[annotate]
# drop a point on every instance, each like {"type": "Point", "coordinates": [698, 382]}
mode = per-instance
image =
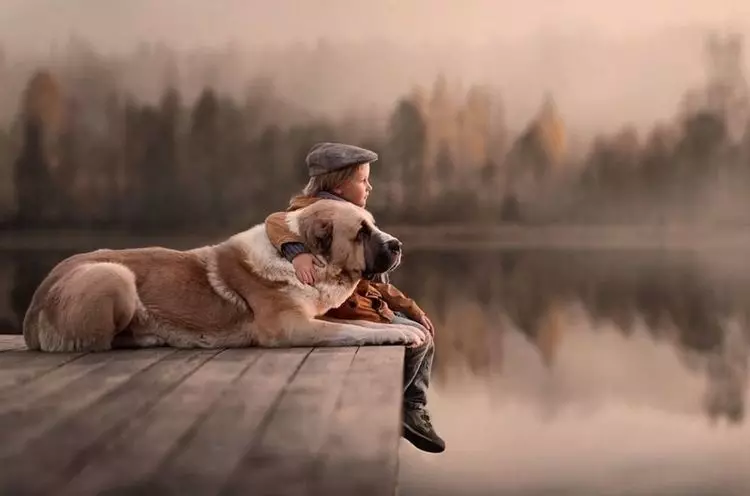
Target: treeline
{"type": "Point", "coordinates": [117, 162]}
{"type": "Point", "coordinates": [692, 168]}
{"type": "Point", "coordinates": [103, 159]}
{"type": "Point", "coordinates": [82, 152]}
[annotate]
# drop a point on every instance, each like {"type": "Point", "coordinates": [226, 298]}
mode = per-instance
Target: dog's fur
{"type": "Point", "coordinates": [238, 293]}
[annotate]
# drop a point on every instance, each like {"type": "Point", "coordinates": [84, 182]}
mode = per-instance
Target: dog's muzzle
{"type": "Point", "coordinates": [384, 254]}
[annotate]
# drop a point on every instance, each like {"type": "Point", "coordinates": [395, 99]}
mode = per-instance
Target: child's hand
{"type": "Point", "coordinates": [427, 323]}
{"type": "Point", "coordinates": [304, 266]}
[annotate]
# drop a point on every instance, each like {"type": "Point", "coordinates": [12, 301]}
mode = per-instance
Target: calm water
{"type": "Point", "coordinates": [580, 373]}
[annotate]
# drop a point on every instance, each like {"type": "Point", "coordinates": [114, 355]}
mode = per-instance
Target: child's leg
{"type": "Point", "coordinates": [417, 369]}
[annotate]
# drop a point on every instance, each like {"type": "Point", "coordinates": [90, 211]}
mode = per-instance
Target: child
{"type": "Point", "coordinates": [341, 172]}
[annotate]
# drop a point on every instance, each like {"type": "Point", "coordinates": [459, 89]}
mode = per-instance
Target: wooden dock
{"type": "Point", "coordinates": [323, 421]}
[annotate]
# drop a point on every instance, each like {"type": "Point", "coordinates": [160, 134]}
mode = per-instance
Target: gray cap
{"type": "Point", "coordinates": [328, 157]}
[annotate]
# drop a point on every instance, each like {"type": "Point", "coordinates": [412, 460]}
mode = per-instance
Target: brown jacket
{"type": "Point", "coordinates": [373, 301]}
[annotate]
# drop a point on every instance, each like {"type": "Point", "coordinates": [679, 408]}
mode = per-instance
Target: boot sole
{"type": "Point", "coordinates": [421, 442]}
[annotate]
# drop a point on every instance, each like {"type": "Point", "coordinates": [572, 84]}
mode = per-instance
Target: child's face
{"type": "Point", "coordinates": [357, 188]}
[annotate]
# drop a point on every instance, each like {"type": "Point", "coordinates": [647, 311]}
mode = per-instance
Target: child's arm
{"type": "Point", "coordinates": [398, 301]}
{"type": "Point", "coordinates": [290, 245]}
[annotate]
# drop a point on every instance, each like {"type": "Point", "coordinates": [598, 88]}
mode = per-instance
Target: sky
{"type": "Point", "coordinates": [116, 25]}
{"type": "Point", "coordinates": [608, 62]}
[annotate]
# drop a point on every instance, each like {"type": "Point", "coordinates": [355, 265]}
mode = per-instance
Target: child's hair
{"type": "Point", "coordinates": [327, 182]}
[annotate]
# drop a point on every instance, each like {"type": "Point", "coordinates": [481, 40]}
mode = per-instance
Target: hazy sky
{"type": "Point", "coordinates": [628, 65]}
{"type": "Point", "coordinates": [116, 24]}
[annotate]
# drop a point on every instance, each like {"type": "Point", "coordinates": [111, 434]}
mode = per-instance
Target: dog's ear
{"type": "Point", "coordinates": [321, 236]}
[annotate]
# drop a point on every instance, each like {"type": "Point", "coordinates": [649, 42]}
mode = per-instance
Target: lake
{"type": "Point", "coordinates": [564, 372]}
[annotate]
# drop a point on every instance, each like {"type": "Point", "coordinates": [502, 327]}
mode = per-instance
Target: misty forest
{"type": "Point", "coordinates": [82, 147]}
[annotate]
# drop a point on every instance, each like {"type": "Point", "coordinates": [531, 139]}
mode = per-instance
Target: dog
{"type": "Point", "coordinates": [240, 292]}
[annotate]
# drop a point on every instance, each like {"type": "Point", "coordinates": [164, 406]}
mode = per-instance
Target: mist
{"type": "Point", "coordinates": [606, 63]}
{"type": "Point", "coordinates": [618, 82]}
{"type": "Point", "coordinates": [574, 124]}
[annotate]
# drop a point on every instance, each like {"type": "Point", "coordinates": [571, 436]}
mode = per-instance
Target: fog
{"type": "Point", "coordinates": [194, 116]}
{"type": "Point", "coordinates": [626, 133]}
{"type": "Point", "coordinates": [607, 63]}
{"type": "Point", "coordinates": [115, 25]}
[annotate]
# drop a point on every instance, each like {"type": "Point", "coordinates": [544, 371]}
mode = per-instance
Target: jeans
{"type": "Point", "coordinates": [417, 368]}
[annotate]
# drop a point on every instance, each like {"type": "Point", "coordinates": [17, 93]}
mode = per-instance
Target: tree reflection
{"type": "Point", "coordinates": [475, 298]}
{"type": "Point", "coordinates": [671, 295]}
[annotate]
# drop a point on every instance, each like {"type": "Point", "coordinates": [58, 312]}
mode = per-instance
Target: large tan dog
{"type": "Point", "coordinates": [238, 293]}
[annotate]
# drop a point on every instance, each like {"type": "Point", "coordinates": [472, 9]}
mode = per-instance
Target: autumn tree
{"type": "Point", "coordinates": [445, 168]}
{"type": "Point", "coordinates": [6, 176]}
{"type": "Point", "coordinates": [474, 135]}
{"type": "Point", "coordinates": [152, 155]}
{"type": "Point", "coordinates": [727, 95]}
{"type": "Point", "coordinates": [300, 138]}
{"type": "Point", "coordinates": [272, 175]}
{"type": "Point", "coordinates": [204, 146]}
{"type": "Point", "coordinates": [41, 119]}
{"type": "Point", "coordinates": [699, 154]}
{"type": "Point", "coordinates": [407, 145]}
{"type": "Point", "coordinates": [656, 157]}
{"type": "Point", "coordinates": [538, 151]}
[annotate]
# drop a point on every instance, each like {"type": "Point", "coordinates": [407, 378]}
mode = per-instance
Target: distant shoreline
{"type": "Point", "coordinates": [446, 237]}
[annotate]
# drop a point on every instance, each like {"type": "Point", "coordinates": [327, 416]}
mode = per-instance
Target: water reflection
{"type": "Point", "coordinates": [586, 373]}
{"type": "Point", "coordinates": [566, 372]}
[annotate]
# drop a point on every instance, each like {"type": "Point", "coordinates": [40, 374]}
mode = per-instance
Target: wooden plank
{"type": "Point", "coordinates": [48, 463]}
{"type": "Point", "coordinates": [11, 342]}
{"type": "Point", "coordinates": [28, 412]}
{"type": "Point", "coordinates": [206, 422]}
{"type": "Point", "coordinates": [360, 455]}
{"type": "Point", "coordinates": [280, 461]}
{"type": "Point", "coordinates": [214, 449]}
{"type": "Point", "coordinates": [21, 366]}
{"type": "Point", "coordinates": [127, 458]}
{"type": "Point", "coordinates": [56, 382]}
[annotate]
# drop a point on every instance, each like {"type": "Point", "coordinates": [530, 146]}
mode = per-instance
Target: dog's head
{"type": "Point", "coordinates": [346, 237]}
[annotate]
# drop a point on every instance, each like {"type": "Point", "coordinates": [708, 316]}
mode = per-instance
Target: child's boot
{"type": "Point", "coordinates": [418, 430]}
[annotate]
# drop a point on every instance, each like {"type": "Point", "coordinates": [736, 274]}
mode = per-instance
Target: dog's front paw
{"type": "Point", "coordinates": [422, 336]}
{"type": "Point", "coordinates": [395, 334]}
{"type": "Point", "coordinates": [413, 336]}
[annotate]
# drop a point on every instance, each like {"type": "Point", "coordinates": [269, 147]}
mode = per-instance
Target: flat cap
{"type": "Point", "coordinates": [328, 157]}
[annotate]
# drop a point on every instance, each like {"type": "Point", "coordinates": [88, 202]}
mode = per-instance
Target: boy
{"type": "Point", "coordinates": [342, 172]}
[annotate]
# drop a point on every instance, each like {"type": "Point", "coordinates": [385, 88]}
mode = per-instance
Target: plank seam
{"type": "Point", "coordinates": [42, 373]}
{"type": "Point", "coordinates": [79, 462]}
{"type": "Point", "coordinates": [319, 460]}
{"type": "Point", "coordinates": [263, 424]}
{"type": "Point", "coordinates": [193, 430]}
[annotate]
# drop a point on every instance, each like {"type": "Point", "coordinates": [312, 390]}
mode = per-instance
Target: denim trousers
{"type": "Point", "coordinates": [417, 368]}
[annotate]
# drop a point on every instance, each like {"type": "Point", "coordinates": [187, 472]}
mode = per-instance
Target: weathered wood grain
{"type": "Point", "coordinates": [212, 453]}
{"type": "Point", "coordinates": [25, 419]}
{"type": "Point", "coordinates": [279, 462]}
{"type": "Point", "coordinates": [135, 451]}
{"type": "Point", "coordinates": [21, 366]}
{"type": "Point", "coordinates": [23, 396]}
{"type": "Point", "coordinates": [364, 443]}
{"type": "Point", "coordinates": [47, 463]}
{"type": "Point", "coordinates": [11, 342]}
{"type": "Point", "coordinates": [176, 422]}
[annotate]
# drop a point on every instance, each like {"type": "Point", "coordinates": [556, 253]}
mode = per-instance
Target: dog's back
{"type": "Point", "coordinates": [241, 292]}
{"type": "Point", "coordinates": [195, 298]}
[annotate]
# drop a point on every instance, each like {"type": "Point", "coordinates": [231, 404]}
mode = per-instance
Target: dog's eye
{"type": "Point", "coordinates": [364, 231]}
